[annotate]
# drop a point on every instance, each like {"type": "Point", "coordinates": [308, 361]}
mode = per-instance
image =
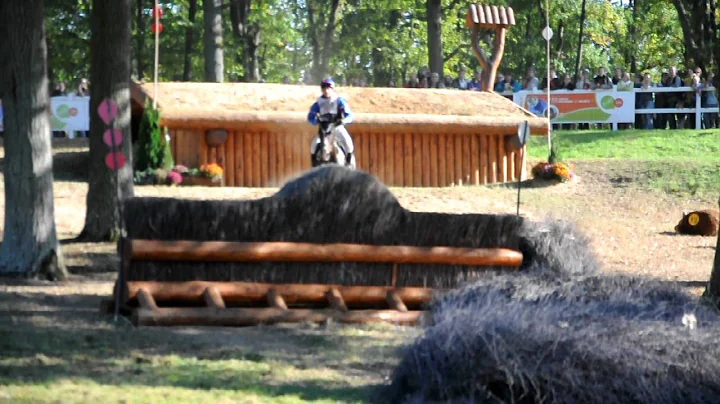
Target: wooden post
{"type": "Point", "coordinates": [489, 17]}
{"type": "Point", "coordinates": [276, 300]}
{"type": "Point", "coordinates": [395, 302]}
{"type": "Point", "coordinates": [335, 300]}
{"type": "Point", "coordinates": [146, 300]}
{"type": "Point", "coordinates": [212, 298]}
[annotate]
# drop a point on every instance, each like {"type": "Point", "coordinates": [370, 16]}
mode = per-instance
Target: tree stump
{"type": "Point", "coordinates": [699, 223]}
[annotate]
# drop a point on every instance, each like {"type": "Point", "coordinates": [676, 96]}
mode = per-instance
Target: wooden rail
{"type": "Point", "coordinates": [245, 292]}
{"type": "Point", "coordinates": [229, 251]}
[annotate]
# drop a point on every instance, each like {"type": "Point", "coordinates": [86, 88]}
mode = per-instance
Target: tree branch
{"type": "Point", "coordinates": [451, 6]}
{"type": "Point", "coordinates": [479, 53]}
{"type": "Point", "coordinates": [455, 51]}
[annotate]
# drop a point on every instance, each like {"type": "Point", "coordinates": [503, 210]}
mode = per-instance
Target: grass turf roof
{"type": "Point", "coordinates": [209, 98]}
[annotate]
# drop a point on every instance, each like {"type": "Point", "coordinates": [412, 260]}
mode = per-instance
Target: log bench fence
{"type": "Point", "coordinates": [210, 303]}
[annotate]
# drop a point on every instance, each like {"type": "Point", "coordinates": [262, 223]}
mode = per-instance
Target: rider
{"type": "Point", "coordinates": [330, 103]}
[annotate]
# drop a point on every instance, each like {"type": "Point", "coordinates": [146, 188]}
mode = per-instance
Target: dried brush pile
{"type": "Point", "coordinates": [562, 333]}
{"type": "Point", "coordinates": [329, 204]}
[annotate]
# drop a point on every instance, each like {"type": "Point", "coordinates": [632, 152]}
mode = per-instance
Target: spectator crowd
{"type": "Point", "coordinates": [702, 85]}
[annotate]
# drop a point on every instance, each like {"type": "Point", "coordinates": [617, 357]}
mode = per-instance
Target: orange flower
{"type": "Point", "coordinates": [212, 170]}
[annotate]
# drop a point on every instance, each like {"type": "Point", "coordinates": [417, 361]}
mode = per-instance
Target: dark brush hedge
{"type": "Point", "coordinates": [554, 335]}
{"type": "Point", "coordinates": [333, 204]}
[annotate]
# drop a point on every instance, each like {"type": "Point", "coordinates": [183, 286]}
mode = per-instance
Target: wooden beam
{"type": "Point", "coordinates": [204, 316]}
{"type": "Point", "coordinates": [226, 251]}
{"type": "Point", "coordinates": [247, 292]}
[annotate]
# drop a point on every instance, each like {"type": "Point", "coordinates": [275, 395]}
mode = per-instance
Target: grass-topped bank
{"type": "Point", "coordinates": [682, 162]}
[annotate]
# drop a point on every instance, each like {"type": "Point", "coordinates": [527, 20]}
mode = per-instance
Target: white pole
{"type": "Point", "coordinates": [547, 57]}
{"type": "Point", "coordinates": [157, 51]}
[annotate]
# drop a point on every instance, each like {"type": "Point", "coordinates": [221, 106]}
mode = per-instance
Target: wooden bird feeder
{"type": "Point", "coordinates": [496, 18]}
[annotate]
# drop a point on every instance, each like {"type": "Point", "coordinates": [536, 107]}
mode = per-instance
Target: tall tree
{"type": "Point", "coordinates": [30, 247]}
{"type": "Point", "coordinates": [713, 287]}
{"type": "Point", "coordinates": [140, 37]}
{"type": "Point", "coordinates": [189, 38]}
{"type": "Point", "coordinates": [109, 78]}
{"type": "Point", "coordinates": [322, 22]}
{"type": "Point", "coordinates": [697, 18]}
{"type": "Point", "coordinates": [248, 33]}
{"type": "Point", "coordinates": [434, 36]}
{"type": "Point", "coordinates": [213, 38]}
{"type": "Point", "coordinates": [578, 59]}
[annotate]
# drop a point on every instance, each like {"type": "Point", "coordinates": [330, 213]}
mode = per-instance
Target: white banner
{"type": "Point", "coordinates": [580, 106]}
{"type": "Point", "coordinates": [68, 114]}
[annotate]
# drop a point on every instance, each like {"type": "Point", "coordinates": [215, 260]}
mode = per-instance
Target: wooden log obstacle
{"type": "Point", "coordinates": [236, 303]}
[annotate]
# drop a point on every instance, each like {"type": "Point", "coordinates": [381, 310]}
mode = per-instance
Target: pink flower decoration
{"type": "Point", "coordinates": [174, 177]}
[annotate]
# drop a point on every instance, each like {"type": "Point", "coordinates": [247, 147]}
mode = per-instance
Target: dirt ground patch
{"type": "Point", "coordinates": [50, 328]}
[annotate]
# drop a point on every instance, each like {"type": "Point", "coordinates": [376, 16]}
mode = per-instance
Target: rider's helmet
{"type": "Point", "coordinates": [327, 83]}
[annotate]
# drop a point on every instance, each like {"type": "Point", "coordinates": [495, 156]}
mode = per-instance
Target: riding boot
{"type": "Point", "coordinates": [350, 160]}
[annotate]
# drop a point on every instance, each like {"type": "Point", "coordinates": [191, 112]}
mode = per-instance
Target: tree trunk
{"type": "Point", "coordinates": [140, 51]}
{"type": "Point", "coordinates": [248, 34]}
{"type": "Point", "coordinates": [630, 50]}
{"type": "Point", "coordinates": [699, 31]}
{"type": "Point", "coordinates": [434, 36]}
{"type": "Point", "coordinates": [109, 75]}
{"type": "Point", "coordinates": [30, 247]}
{"type": "Point", "coordinates": [321, 56]}
{"type": "Point", "coordinates": [327, 40]}
{"type": "Point", "coordinates": [189, 31]}
{"type": "Point", "coordinates": [212, 17]}
{"type": "Point", "coordinates": [713, 289]}
{"type": "Point", "coordinates": [580, 41]}
{"type": "Point", "coordinates": [252, 43]}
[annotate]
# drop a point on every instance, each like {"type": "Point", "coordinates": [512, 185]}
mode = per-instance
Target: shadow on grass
{"type": "Point", "coordinates": [533, 183]}
{"type": "Point", "coordinates": [47, 338]}
{"type": "Point", "coordinates": [676, 234]}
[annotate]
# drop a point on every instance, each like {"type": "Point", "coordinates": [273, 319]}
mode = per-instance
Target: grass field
{"type": "Point", "coordinates": [56, 347]}
{"type": "Point", "coordinates": [683, 162]}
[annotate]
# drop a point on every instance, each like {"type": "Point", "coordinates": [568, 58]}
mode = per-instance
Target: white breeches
{"type": "Point", "coordinates": [343, 138]}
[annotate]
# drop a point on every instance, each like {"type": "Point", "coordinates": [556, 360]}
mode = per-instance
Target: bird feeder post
{"type": "Point", "coordinates": [495, 18]}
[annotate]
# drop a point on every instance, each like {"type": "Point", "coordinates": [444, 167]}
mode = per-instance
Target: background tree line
{"type": "Point", "coordinates": [382, 40]}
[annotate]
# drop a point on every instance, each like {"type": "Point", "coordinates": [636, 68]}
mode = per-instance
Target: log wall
{"type": "Point", "coordinates": [266, 158]}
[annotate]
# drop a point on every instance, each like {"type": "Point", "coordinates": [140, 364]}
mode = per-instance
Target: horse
{"type": "Point", "coordinates": [327, 151]}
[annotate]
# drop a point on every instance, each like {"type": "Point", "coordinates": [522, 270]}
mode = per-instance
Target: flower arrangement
{"type": "Point", "coordinates": [179, 174]}
{"type": "Point", "coordinates": [211, 170]}
{"type": "Point", "coordinates": [174, 178]}
{"type": "Point", "coordinates": [553, 171]}
{"type": "Point", "coordinates": [157, 176]}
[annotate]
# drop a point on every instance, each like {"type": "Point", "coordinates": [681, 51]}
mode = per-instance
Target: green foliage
{"type": "Point", "coordinates": [153, 149]}
{"type": "Point", "coordinates": [167, 159]}
{"type": "Point", "coordinates": [554, 156]}
{"type": "Point", "coordinates": [381, 40]}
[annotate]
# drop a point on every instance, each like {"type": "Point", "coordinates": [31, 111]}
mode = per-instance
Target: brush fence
{"type": "Point", "coordinates": [171, 303]}
{"type": "Point", "coordinates": [404, 155]}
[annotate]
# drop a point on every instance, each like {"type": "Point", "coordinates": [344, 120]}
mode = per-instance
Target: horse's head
{"type": "Point", "coordinates": [326, 132]}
